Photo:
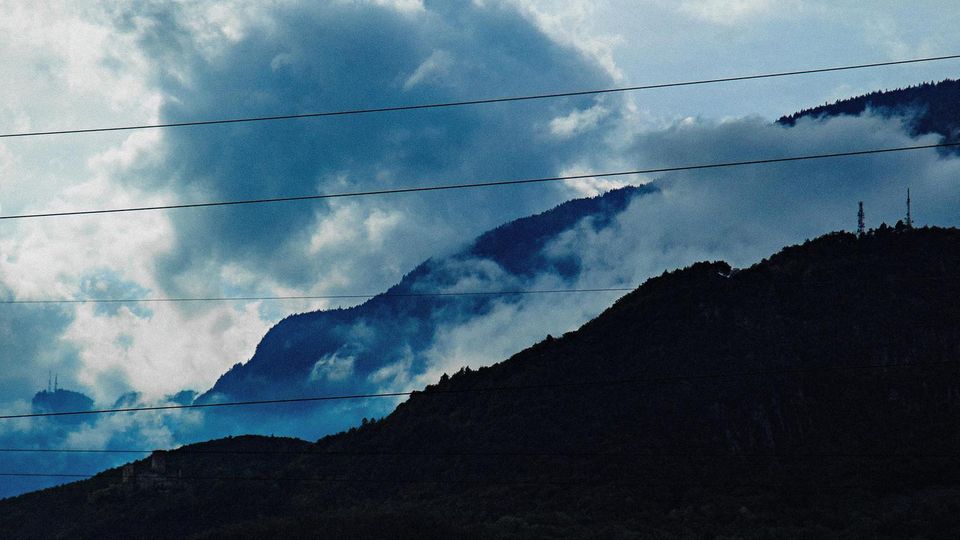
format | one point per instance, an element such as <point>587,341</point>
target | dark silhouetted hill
<point>928,108</point>
<point>813,395</point>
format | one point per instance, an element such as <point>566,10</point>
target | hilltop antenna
<point>909,217</point>
<point>55,382</point>
<point>49,374</point>
<point>860,227</point>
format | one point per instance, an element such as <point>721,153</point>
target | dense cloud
<point>740,215</point>
<point>744,213</point>
<point>346,56</point>
<point>193,61</point>
<point>31,345</point>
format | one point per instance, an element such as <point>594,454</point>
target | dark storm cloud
<point>31,345</point>
<point>343,56</point>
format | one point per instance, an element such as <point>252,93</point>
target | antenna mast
<point>860,227</point>
<point>909,217</point>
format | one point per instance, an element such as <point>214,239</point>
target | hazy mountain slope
<point>339,350</point>
<point>373,345</point>
<point>812,395</point>
<point>359,340</point>
<point>927,108</point>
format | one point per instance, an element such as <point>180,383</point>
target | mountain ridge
<point>344,353</point>
<point>930,107</point>
<point>516,249</point>
<point>709,399</point>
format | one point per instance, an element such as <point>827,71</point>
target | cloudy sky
<point>115,63</point>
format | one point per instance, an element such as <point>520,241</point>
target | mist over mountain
<point>378,344</point>
<point>381,343</point>
<point>774,401</point>
<point>395,343</point>
<point>927,108</point>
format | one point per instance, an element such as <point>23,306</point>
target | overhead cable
<point>495,183</point>
<point>651,452</point>
<point>481,101</point>
<point>311,297</point>
<point>451,391</point>
<point>380,480</point>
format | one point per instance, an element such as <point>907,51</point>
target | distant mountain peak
<point>60,400</point>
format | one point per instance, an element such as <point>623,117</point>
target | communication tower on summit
<point>909,217</point>
<point>53,382</point>
<point>860,227</point>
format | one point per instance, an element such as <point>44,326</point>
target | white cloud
<point>355,240</point>
<point>45,260</point>
<point>216,26</point>
<point>578,121</point>
<point>281,60</point>
<point>592,186</point>
<point>740,215</point>
<point>151,431</point>
<point>746,213</point>
<point>575,24</point>
<point>332,367</point>
<point>430,70</point>
<point>507,329</point>
<point>728,12</point>
<point>65,66</point>
<point>403,6</point>
<point>157,357</point>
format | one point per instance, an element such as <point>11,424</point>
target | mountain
<point>311,350</point>
<point>812,395</point>
<point>46,401</point>
<point>385,343</point>
<point>351,350</point>
<point>397,341</point>
<point>928,108</point>
<point>59,400</point>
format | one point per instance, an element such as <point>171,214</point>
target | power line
<point>446,187</point>
<point>438,392</point>
<point>804,282</point>
<point>483,101</point>
<point>463,453</point>
<point>154,477</point>
<point>392,295</point>
<point>314,297</point>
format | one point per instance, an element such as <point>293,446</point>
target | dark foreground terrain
<point>813,395</point>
